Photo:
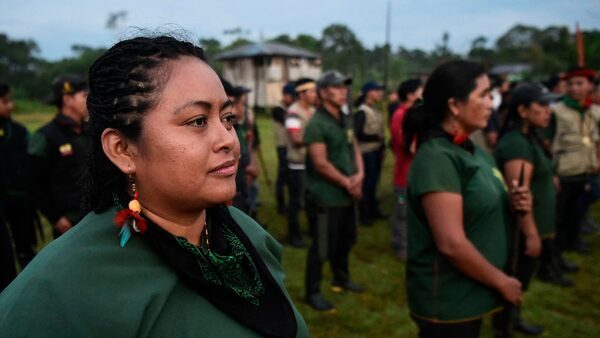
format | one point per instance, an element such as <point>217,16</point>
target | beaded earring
<point>128,219</point>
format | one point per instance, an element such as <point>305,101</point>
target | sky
<point>57,25</point>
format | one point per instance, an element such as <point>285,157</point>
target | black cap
<point>371,85</point>
<point>528,93</point>
<point>333,78</point>
<point>66,85</point>
<point>289,88</point>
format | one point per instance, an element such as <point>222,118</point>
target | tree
<point>342,50</point>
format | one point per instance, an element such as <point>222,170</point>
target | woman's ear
<point>522,110</point>
<point>119,150</point>
<point>453,106</point>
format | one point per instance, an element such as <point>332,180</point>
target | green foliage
<point>549,50</point>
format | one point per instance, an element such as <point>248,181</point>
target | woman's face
<point>536,114</point>
<point>188,150</point>
<point>473,114</point>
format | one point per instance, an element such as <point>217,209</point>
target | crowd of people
<point>493,182</point>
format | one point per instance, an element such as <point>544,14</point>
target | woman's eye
<point>230,120</point>
<point>199,122</point>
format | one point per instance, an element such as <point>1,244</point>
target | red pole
<point>580,49</point>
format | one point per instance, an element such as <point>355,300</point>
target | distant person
<point>334,174</point>
<point>297,117</point>
<point>575,136</point>
<point>557,84</point>
<point>58,154</point>
<point>7,130</point>
<point>409,92</point>
<point>521,146</point>
<point>15,196</point>
<point>393,102</point>
<point>369,128</point>
<point>458,208</point>
<point>281,140</point>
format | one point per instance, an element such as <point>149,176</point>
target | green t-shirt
<point>85,285</point>
<point>515,145</point>
<point>338,136</point>
<point>437,291</point>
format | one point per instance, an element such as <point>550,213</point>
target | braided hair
<point>125,83</point>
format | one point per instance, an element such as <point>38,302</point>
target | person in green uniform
<point>458,208</point>
<point>58,155</point>
<point>521,144</point>
<point>15,196</point>
<point>174,261</point>
<point>334,175</point>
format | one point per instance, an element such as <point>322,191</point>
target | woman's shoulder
<point>81,277</point>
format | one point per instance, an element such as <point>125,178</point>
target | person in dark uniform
<point>58,155</point>
<point>521,144</point>
<point>15,197</point>
<point>163,163</point>
<point>281,141</point>
<point>7,259</point>
<point>334,175</point>
<point>458,208</point>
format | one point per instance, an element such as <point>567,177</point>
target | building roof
<point>265,49</point>
<point>511,68</point>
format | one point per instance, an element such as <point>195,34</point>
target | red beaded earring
<point>128,219</point>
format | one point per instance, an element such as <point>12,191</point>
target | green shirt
<point>437,291</point>
<point>515,145</point>
<point>338,136</point>
<point>85,285</point>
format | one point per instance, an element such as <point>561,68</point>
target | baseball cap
<point>289,88</point>
<point>68,84</point>
<point>528,93</point>
<point>333,78</point>
<point>371,85</point>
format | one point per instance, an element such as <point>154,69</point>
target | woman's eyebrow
<point>200,103</point>
<point>226,104</point>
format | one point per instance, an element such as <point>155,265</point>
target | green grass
<point>382,310</point>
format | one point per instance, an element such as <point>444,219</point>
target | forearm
<point>468,260</point>
<point>331,173</point>
<point>358,160</point>
<point>527,225</point>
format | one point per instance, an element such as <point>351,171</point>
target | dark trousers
<point>333,233</point>
<point>8,271</point>
<point>281,178</point>
<point>372,163</point>
<point>21,218</point>
<point>295,179</point>
<point>568,219</point>
<point>469,329</point>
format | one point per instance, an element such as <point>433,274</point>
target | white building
<point>265,67</point>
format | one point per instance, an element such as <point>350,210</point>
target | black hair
<point>552,82</point>
<point>454,79</point>
<point>407,87</point>
<point>4,89</point>
<point>124,83</point>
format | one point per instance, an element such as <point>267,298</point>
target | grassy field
<point>382,310</point>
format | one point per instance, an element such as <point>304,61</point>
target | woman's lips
<point>228,168</point>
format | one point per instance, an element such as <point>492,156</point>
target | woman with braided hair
<point>159,254</point>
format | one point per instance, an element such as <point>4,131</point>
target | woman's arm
<point>512,171</point>
<point>444,212</point>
